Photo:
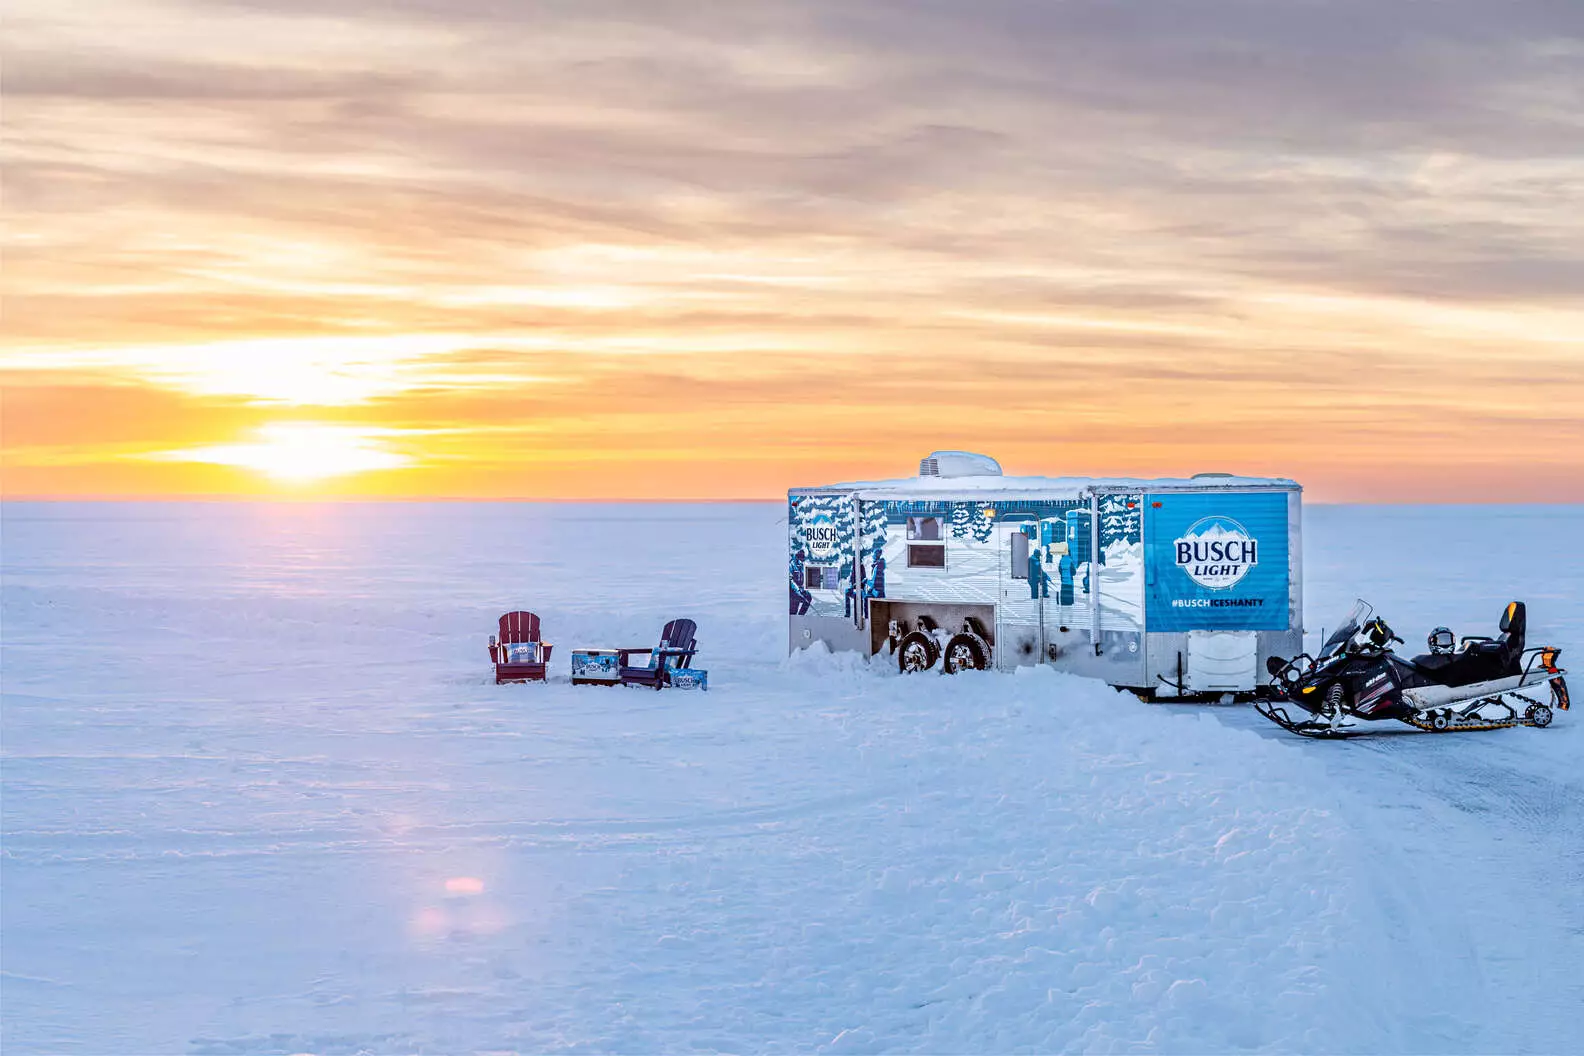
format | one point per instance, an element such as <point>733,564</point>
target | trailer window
<point>926,555</point>
<point>1020,551</point>
<point>926,529</point>
<point>820,577</point>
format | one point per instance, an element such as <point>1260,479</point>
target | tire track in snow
<point>1477,845</point>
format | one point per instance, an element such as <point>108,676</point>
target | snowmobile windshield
<point>1349,626</point>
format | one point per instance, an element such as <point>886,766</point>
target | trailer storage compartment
<point>1178,586</point>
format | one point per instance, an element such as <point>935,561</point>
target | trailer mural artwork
<point>820,566</point>
<point>1143,583</point>
<point>966,552</point>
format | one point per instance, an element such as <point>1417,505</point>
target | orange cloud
<point>678,256</point>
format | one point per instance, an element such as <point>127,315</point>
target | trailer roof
<point>988,485</point>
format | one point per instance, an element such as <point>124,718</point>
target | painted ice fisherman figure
<point>1066,570</point>
<point>800,598</point>
<point>1038,578</point>
<point>872,587</point>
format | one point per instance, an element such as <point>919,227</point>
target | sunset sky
<point>654,249</point>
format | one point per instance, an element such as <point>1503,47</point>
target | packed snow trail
<point>260,796</point>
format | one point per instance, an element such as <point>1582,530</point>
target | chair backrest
<point>519,626</point>
<point>678,634</point>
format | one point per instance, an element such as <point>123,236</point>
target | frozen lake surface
<point>260,795</point>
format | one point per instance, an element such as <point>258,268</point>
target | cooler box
<point>595,667</point>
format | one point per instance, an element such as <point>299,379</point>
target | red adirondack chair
<point>518,653</point>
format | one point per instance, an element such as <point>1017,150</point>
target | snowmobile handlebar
<point>1379,634</point>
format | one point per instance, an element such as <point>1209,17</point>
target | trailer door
<point>1116,580</point>
<point>1024,591</point>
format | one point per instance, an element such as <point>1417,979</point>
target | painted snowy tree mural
<point>874,529</point>
<point>872,525</point>
<point>961,519</point>
<point>983,523</point>
<point>1120,520</point>
<point>842,515</point>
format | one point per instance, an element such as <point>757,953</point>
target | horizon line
<point>347,500</point>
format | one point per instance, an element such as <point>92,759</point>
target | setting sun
<point>300,452</point>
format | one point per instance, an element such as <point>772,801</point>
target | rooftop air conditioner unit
<point>958,464</point>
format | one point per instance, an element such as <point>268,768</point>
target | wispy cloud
<point>797,239</point>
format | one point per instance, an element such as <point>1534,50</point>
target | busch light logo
<point>1217,552</point>
<point>820,536</point>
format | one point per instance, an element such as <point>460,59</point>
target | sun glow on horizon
<point>301,452</point>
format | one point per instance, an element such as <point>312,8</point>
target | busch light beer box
<point>595,665</point>
<point>1125,579</point>
<point>521,652</point>
<point>688,678</point>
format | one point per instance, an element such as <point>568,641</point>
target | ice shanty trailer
<point>1170,586</point>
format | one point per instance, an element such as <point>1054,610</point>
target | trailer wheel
<point>918,652</point>
<point>964,653</point>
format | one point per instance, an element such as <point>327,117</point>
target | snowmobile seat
<point>1438,667</point>
<point>1480,659</point>
<point>518,652</point>
<point>676,649</point>
<point>1502,655</point>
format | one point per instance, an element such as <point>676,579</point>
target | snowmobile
<point>1479,684</point>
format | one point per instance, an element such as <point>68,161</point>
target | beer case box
<point>688,678</point>
<point>521,652</point>
<point>1112,577</point>
<point>595,666</point>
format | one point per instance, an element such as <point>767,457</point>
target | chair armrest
<point>544,657</point>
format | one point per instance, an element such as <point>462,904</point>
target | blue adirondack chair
<point>676,649</point>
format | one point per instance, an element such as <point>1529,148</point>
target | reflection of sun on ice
<point>459,913</point>
<point>301,452</point>
<point>464,885</point>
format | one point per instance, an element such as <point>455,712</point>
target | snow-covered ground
<point>260,795</point>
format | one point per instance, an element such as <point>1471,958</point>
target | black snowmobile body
<point>1483,683</point>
